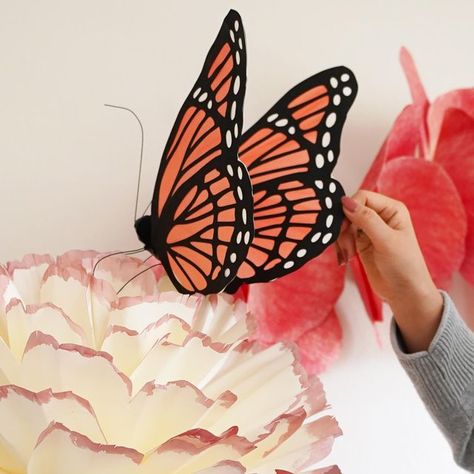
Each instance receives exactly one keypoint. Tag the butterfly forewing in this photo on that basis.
(200, 182)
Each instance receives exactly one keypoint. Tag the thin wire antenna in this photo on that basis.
(126, 252)
(137, 275)
(141, 152)
(148, 207)
(89, 291)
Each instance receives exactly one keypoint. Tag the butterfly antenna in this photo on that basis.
(126, 252)
(148, 207)
(137, 275)
(141, 152)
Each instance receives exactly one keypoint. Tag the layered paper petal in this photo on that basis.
(438, 215)
(321, 345)
(402, 140)
(455, 152)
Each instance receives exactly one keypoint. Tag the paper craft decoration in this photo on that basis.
(145, 381)
(229, 209)
(427, 161)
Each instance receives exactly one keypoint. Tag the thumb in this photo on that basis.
(367, 220)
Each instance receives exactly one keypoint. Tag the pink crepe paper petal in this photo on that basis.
(402, 140)
(455, 152)
(291, 305)
(417, 92)
(320, 346)
(372, 303)
(462, 99)
(436, 210)
(416, 87)
(295, 304)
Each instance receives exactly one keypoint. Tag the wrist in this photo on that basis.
(418, 313)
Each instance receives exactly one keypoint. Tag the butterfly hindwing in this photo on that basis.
(290, 154)
(208, 234)
(200, 163)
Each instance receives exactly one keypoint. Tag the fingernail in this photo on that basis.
(349, 203)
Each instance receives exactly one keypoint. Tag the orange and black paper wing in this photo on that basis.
(290, 154)
(201, 215)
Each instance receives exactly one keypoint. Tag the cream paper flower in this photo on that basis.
(145, 380)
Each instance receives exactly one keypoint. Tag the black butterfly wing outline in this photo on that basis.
(201, 214)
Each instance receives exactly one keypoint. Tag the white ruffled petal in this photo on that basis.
(24, 321)
(87, 373)
(26, 414)
(60, 450)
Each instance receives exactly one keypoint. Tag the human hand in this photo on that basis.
(380, 230)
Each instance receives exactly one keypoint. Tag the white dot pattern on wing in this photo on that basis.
(315, 237)
(236, 85)
(282, 122)
(319, 160)
(272, 117)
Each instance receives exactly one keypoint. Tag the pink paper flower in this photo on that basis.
(299, 307)
(427, 161)
(144, 380)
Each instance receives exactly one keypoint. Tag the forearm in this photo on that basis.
(443, 376)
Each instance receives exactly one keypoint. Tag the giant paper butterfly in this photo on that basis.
(230, 208)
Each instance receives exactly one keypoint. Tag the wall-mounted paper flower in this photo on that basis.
(145, 381)
(427, 161)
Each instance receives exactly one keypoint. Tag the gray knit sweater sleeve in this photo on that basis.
(444, 378)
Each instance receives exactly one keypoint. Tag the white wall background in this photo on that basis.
(69, 165)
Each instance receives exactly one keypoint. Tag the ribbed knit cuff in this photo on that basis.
(442, 373)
